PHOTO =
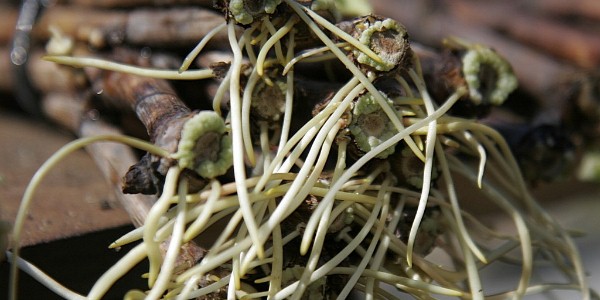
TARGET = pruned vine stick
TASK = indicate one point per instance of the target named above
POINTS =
(552, 36)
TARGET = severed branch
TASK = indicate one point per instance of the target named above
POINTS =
(84, 24)
(138, 3)
(173, 27)
(6, 82)
(551, 36)
(162, 113)
(551, 83)
(567, 100)
(197, 140)
(581, 8)
(8, 19)
(536, 72)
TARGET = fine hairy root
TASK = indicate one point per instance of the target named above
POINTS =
(315, 195)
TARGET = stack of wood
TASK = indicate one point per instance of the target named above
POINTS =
(143, 33)
(553, 47)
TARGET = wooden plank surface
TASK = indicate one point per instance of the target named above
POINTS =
(74, 199)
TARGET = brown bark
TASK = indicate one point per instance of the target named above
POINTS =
(549, 35)
(537, 73)
(83, 24)
(581, 8)
(160, 110)
(6, 80)
(50, 77)
(173, 27)
(138, 3)
(162, 113)
(564, 94)
(8, 20)
(153, 100)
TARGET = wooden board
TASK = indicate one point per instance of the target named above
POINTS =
(74, 198)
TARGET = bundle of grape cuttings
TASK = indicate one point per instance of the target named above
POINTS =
(300, 151)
